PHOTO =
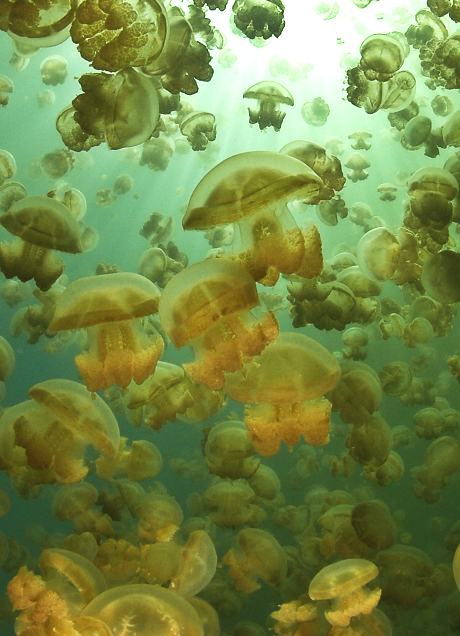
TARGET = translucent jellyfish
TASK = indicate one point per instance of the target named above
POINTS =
(358, 393)
(378, 253)
(157, 153)
(229, 503)
(200, 562)
(374, 525)
(442, 105)
(7, 359)
(381, 56)
(396, 378)
(357, 163)
(269, 95)
(110, 307)
(258, 18)
(283, 392)
(120, 109)
(7, 166)
(208, 305)
(440, 276)
(259, 554)
(42, 225)
(405, 575)
(229, 453)
(316, 112)
(123, 184)
(140, 461)
(355, 340)
(343, 584)
(143, 608)
(252, 189)
(360, 139)
(57, 163)
(200, 128)
(53, 70)
(6, 88)
(387, 191)
(113, 37)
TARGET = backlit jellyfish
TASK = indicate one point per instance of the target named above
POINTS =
(327, 10)
(200, 562)
(387, 191)
(113, 36)
(378, 253)
(200, 128)
(360, 139)
(208, 305)
(440, 276)
(141, 608)
(157, 153)
(374, 525)
(120, 109)
(57, 163)
(41, 225)
(259, 555)
(358, 393)
(357, 163)
(406, 576)
(329, 211)
(316, 112)
(269, 96)
(283, 390)
(6, 88)
(395, 378)
(258, 18)
(442, 105)
(355, 340)
(442, 459)
(381, 56)
(123, 184)
(252, 189)
(344, 585)
(229, 503)
(53, 70)
(110, 307)
(7, 359)
(229, 453)
(7, 166)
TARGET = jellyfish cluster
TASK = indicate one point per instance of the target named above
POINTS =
(229, 330)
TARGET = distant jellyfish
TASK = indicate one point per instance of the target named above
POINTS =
(53, 70)
(387, 191)
(6, 88)
(7, 166)
(123, 184)
(7, 359)
(199, 128)
(327, 10)
(357, 163)
(316, 112)
(442, 105)
(57, 163)
(269, 95)
(441, 276)
(360, 139)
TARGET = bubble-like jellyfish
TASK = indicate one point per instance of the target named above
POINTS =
(110, 307)
(283, 390)
(316, 112)
(208, 305)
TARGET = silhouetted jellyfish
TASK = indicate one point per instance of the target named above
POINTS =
(316, 112)
(113, 37)
(343, 584)
(109, 307)
(208, 305)
(252, 189)
(283, 390)
(7, 166)
(143, 608)
(440, 276)
(258, 554)
(42, 225)
(229, 453)
(396, 378)
(6, 88)
(381, 56)
(200, 128)
(269, 95)
(374, 524)
(120, 109)
(442, 105)
(259, 18)
(406, 575)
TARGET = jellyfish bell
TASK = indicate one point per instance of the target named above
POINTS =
(441, 276)
(378, 253)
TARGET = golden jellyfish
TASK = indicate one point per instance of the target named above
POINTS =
(316, 112)
(378, 253)
(6, 88)
(258, 19)
(41, 225)
(53, 70)
(113, 36)
(199, 565)
(283, 391)
(110, 308)
(395, 378)
(142, 608)
(440, 276)
(229, 453)
(160, 517)
(7, 359)
(7, 166)
(360, 139)
(374, 525)
(258, 554)
(139, 462)
(344, 585)
(230, 503)
(252, 190)
(357, 163)
(358, 393)
(208, 305)
(456, 567)
(199, 128)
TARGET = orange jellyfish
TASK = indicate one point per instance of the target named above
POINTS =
(208, 306)
(285, 385)
(110, 307)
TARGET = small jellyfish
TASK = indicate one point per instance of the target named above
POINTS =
(53, 70)
(269, 95)
(316, 112)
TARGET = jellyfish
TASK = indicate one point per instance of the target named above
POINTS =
(258, 554)
(7, 359)
(258, 18)
(229, 453)
(360, 139)
(357, 163)
(6, 88)
(7, 166)
(252, 189)
(110, 307)
(440, 276)
(269, 96)
(283, 391)
(42, 225)
(53, 70)
(200, 128)
(209, 306)
(343, 584)
(316, 112)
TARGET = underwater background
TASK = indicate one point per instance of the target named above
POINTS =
(310, 58)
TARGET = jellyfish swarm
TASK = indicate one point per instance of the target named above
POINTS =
(252, 189)
(109, 307)
(285, 385)
(208, 306)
